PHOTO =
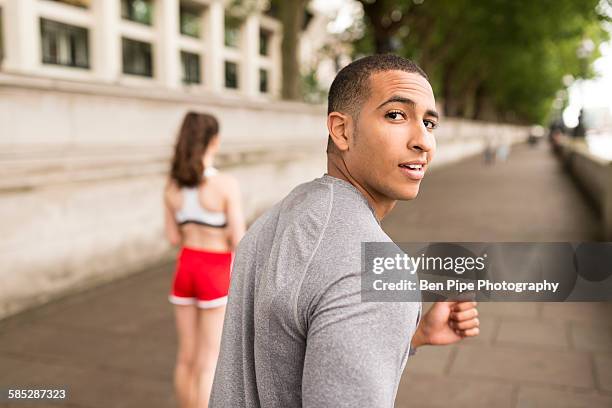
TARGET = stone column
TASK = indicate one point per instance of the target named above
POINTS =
(21, 36)
(106, 41)
(166, 53)
(214, 63)
(276, 74)
(249, 68)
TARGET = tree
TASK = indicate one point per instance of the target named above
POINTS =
(489, 59)
(291, 13)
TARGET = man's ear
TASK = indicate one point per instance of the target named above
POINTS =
(340, 128)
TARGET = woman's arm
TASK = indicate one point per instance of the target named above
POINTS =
(235, 218)
(173, 234)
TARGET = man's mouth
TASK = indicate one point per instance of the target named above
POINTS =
(413, 170)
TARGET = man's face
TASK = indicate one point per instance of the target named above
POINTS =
(393, 142)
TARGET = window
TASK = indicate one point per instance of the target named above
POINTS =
(64, 44)
(264, 42)
(263, 81)
(191, 67)
(190, 21)
(232, 31)
(78, 3)
(137, 57)
(231, 75)
(140, 11)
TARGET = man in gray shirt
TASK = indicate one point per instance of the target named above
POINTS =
(296, 332)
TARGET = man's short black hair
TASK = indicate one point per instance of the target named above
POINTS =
(351, 87)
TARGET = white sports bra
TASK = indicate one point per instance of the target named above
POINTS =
(193, 212)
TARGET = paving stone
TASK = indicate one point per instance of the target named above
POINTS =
(578, 311)
(135, 301)
(56, 343)
(531, 397)
(88, 386)
(116, 314)
(427, 391)
(140, 290)
(429, 360)
(591, 336)
(525, 365)
(151, 356)
(603, 371)
(533, 333)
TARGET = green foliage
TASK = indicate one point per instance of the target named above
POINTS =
(490, 59)
(241, 9)
(311, 90)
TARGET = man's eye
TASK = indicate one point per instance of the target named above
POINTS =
(395, 115)
(430, 124)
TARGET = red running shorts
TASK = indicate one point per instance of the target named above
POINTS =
(202, 278)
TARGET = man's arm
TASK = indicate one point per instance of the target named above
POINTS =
(447, 323)
(355, 351)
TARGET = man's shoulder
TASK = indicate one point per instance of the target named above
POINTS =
(319, 209)
(335, 206)
(309, 197)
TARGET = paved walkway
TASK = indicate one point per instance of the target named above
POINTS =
(528, 354)
(114, 346)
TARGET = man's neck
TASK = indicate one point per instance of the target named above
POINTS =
(381, 205)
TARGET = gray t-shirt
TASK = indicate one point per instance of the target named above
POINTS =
(296, 333)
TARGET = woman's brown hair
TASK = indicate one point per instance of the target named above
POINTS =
(197, 130)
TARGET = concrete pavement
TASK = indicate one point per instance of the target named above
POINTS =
(114, 346)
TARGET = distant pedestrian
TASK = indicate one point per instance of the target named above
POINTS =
(203, 216)
(580, 130)
(503, 150)
(489, 152)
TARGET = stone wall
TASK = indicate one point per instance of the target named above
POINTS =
(82, 168)
(594, 176)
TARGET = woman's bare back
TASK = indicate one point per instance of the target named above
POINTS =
(212, 196)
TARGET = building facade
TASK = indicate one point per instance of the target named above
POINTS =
(197, 45)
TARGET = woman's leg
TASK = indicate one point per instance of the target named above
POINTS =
(184, 373)
(209, 342)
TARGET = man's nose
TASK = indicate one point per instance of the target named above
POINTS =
(421, 139)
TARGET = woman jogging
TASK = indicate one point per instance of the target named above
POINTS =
(203, 216)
